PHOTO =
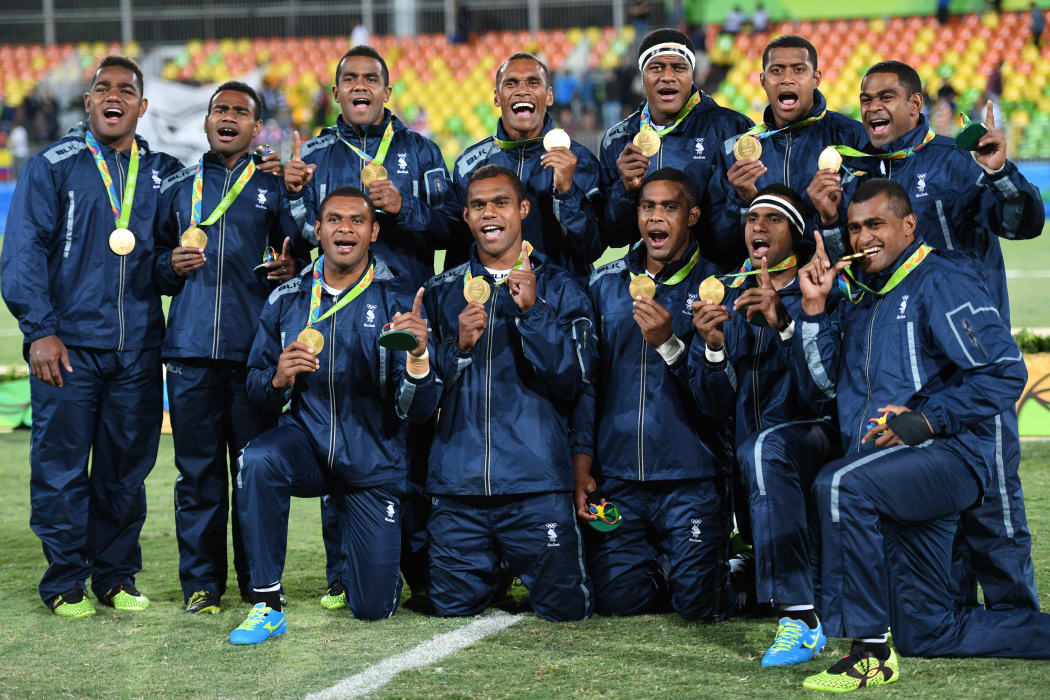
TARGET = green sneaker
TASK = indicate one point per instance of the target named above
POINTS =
(203, 602)
(335, 598)
(857, 669)
(73, 604)
(126, 598)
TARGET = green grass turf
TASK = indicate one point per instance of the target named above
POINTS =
(166, 652)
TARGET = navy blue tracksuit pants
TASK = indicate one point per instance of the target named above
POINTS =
(211, 421)
(888, 519)
(777, 467)
(535, 534)
(89, 522)
(673, 538)
(280, 464)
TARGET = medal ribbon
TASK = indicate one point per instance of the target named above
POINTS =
(681, 274)
(762, 131)
(315, 293)
(517, 266)
(520, 143)
(647, 122)
(896, 155)
(746, 270)
(896, 278)
(384, 145)
(220, 209)
(121, 209)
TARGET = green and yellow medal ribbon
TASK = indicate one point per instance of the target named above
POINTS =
(520, 143)
(517, 266)
(681, 274)
(121, 208)
(315, 315)
(846, 276)
(747, 269)
(647, 122)
(896, 155)
(762, 131)
(197, 197)
(384, 145)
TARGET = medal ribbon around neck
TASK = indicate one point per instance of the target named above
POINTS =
(122, 208)
(681, 274)
(896, 155)
(220, 209)
(517, 266)
(762, 131)
(384, 145)
(647, 122)
(747, 269)
(315, 293)
(520, 143)
(846, 276)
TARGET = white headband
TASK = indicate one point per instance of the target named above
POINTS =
(783, 206)
(668, 47)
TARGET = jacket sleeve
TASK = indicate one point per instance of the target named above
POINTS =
(32, 225)
(459, 238)
(165, 240)
(302, 206)
(558, 341)
(282, 226)
(446, 360)
(1004, 203)
(582, 422)
(712, 383)
(577, 209)
(262, 361)
(421, 211)
(722, 215)
(416, 399)
(620, 209)
(964, 326)
(815, 353)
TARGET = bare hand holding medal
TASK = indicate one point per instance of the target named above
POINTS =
(558, 157)
(297, 357)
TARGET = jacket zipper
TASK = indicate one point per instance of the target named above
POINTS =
(867, 363)
(754, 380)
(123, 260)
(331, 390)
(787, 161)
(488, 392)
(521, 161)
(218, 281)
(641, 415)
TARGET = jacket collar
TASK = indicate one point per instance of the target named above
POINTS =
(548, 124)
(912, 138)
(79, 132)
(636, 256)
(214, 159)
(348, 131)
(382, 273)
(819, 105)
(537, 259)
(877, 280)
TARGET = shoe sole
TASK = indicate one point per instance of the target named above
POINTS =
(206, 610)
(75, 616)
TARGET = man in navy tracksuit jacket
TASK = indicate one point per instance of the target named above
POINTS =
(966, 203)
(93, 327)
(561, 184)
(656, 458)
(217, 294)
(513, 365)
(345, 431)
(692, 127)
(796, 126)
(782, 440)
(411, 224)
(938, 362)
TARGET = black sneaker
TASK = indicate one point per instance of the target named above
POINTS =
(203, 602)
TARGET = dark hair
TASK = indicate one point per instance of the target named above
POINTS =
(790, 41)
(906, 75)
(673, 175)
(521, 55)
(661, 36)
(802, 246)
(367, 52)
(350, 192)
(895, 193)
(235, 86)
(120, 62)
(487, 172)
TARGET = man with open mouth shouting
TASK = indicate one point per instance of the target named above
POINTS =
(77, 274)
(679, 127)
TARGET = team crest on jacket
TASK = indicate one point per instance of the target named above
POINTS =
(390, 512)
(693, 296)
(698, 149)
(920, 185)
(694, 530)
(156, 179)
(903, 307)
(552, 535)
(370, 315)
(402, 163)
(260, 199)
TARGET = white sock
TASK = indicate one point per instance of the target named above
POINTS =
(875, 640)
(270, 588)
(792, 608)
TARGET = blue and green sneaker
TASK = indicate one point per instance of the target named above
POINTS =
(73, 604)
(795, 643)
(858, 669)
(262, 623)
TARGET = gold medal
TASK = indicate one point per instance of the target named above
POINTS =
(829, 159)
(194, 237)
(866, 253)
(372, 172)
(712, 289)
(643, 286)
(556, 138)
(747, 146)
(647, 140)
(122, 241)
(477, 289)
(312, 338)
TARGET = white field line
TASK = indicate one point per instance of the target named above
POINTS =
(1021, 274)
(424, 654)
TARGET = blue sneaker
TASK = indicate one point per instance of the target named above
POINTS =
(262, 623)
(795, 643)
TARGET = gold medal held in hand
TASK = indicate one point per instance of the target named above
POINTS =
(372, 172)
(556, 138)
(712, 289)
(477, 289)
(829, 159)
(643, 286)
(194, 237)
(747, 146)
(312, 338)
(647, 140)
(122, 241)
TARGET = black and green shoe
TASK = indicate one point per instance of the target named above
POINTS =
(73, 603)
(203, 602)
(126, 598)
(860, 668)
